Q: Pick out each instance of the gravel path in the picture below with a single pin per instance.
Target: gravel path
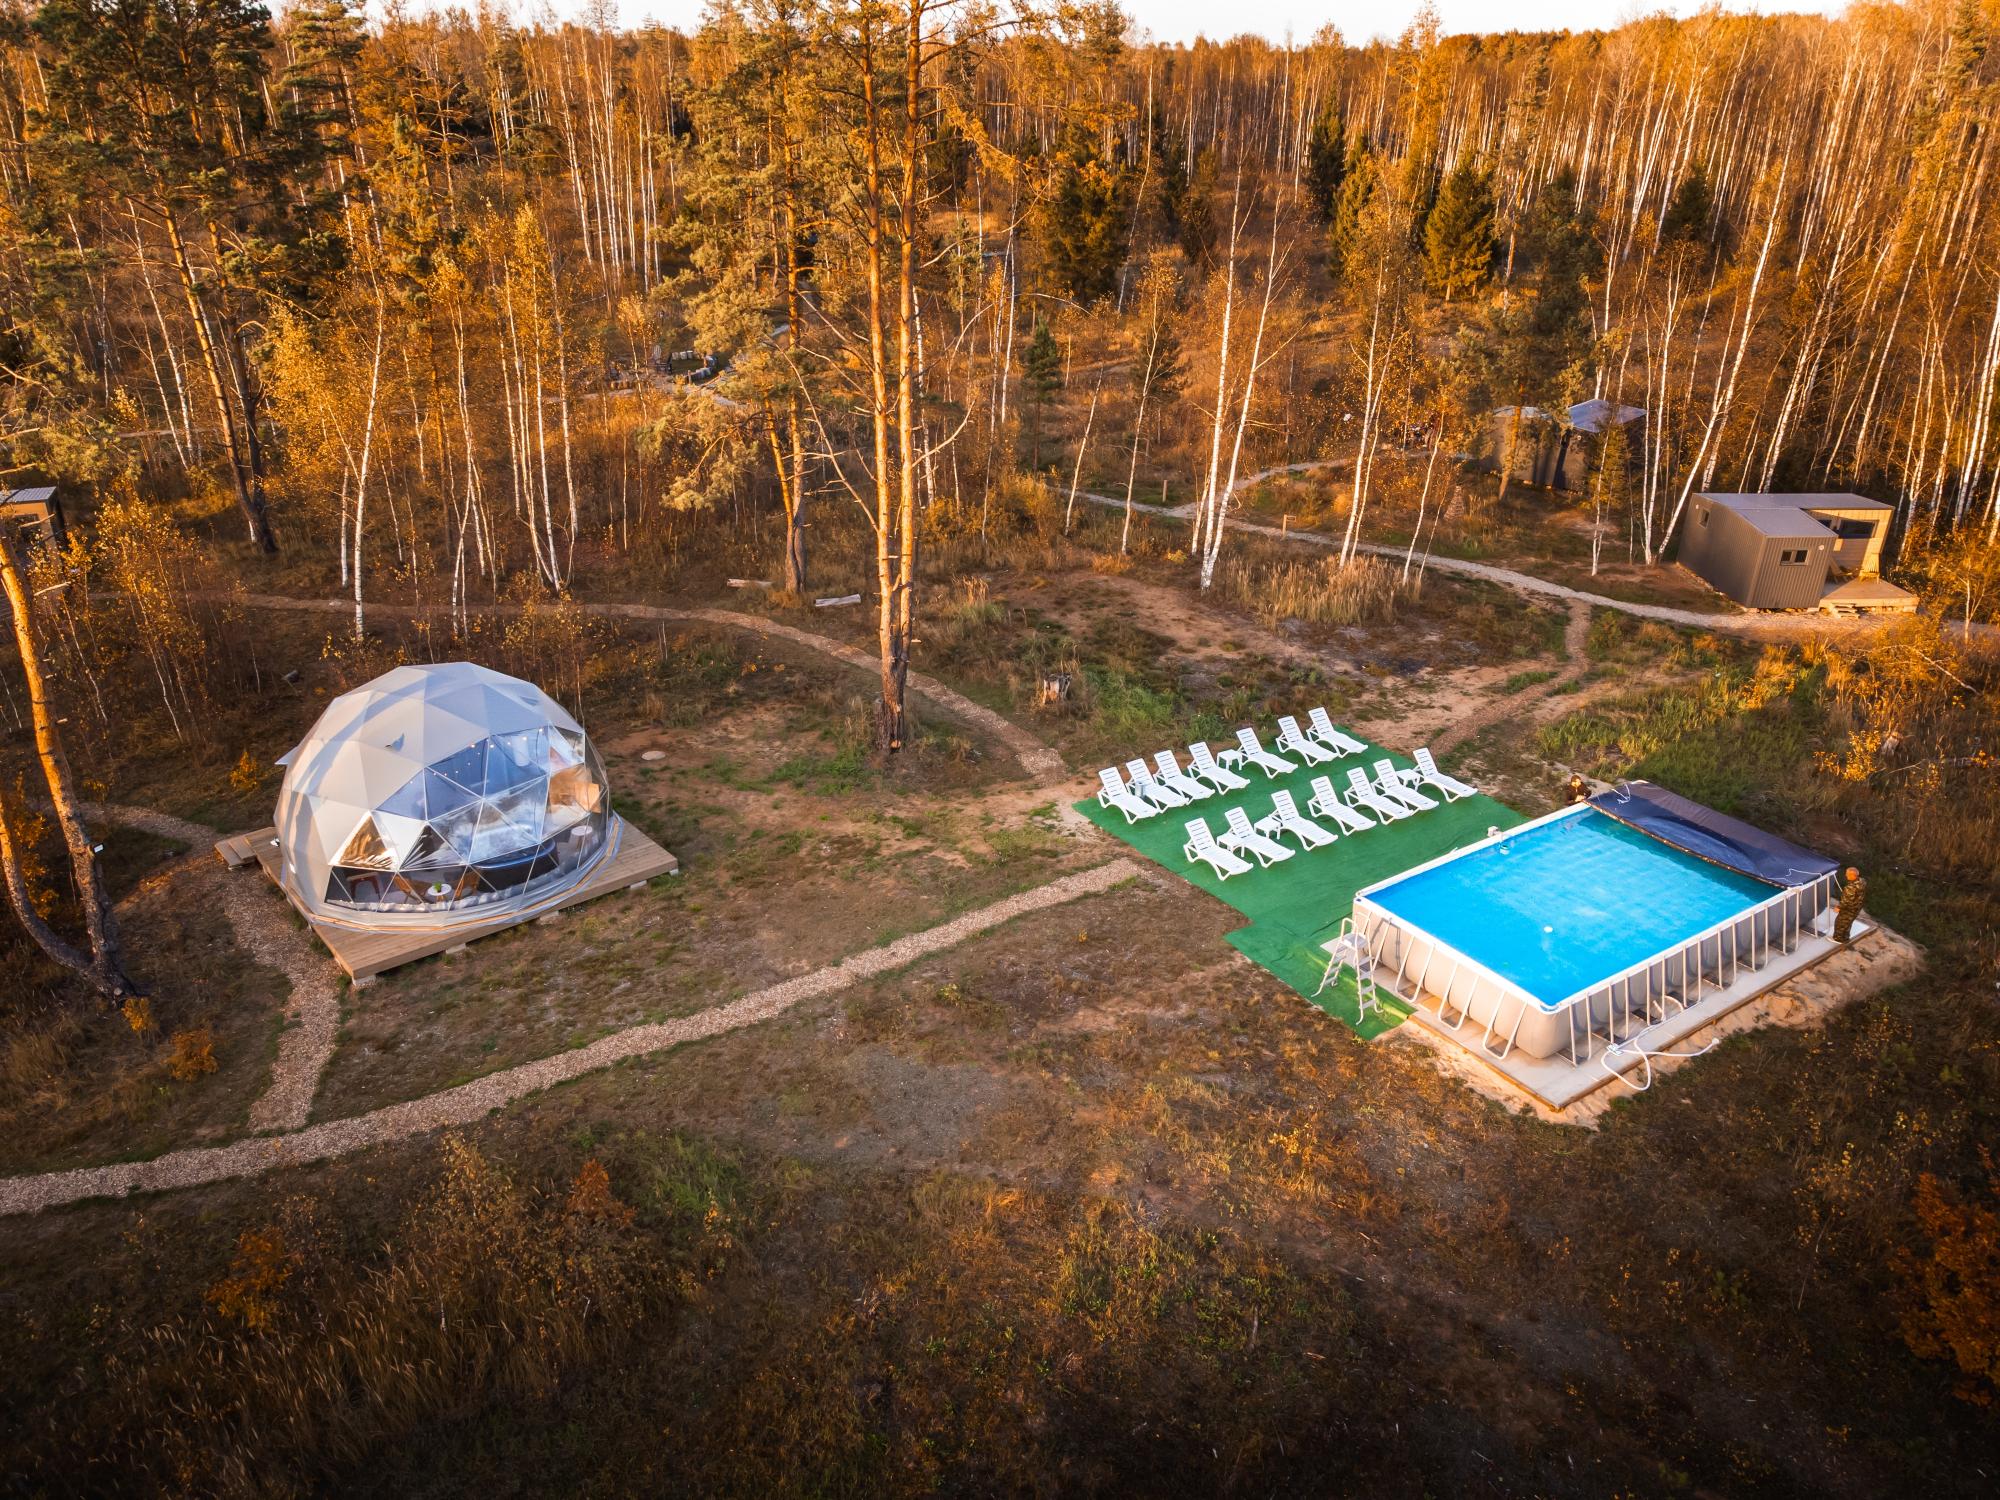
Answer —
(472, 1101)
(265, 931)
(1750, 622)
(313, 1008)
(163, 825)
(1042, 762)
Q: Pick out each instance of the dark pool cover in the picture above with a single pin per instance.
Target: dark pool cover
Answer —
(1714, 836)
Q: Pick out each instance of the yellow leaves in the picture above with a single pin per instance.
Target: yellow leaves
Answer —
(248, 1294)
(590, 1196)
(193, 1054)
(246, 775)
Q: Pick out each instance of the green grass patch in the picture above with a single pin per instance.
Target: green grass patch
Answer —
(1298, 904)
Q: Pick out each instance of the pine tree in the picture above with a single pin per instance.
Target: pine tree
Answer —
(1461, 251)
(1041, 369)
(1362, 176)
(1326, 164)
(1086, 222)
(162, 105)
(1192, 216)
(1693, 208)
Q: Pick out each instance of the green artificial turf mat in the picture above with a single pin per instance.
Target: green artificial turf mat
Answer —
(1298, 904)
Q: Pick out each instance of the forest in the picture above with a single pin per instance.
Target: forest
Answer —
(1104, 388)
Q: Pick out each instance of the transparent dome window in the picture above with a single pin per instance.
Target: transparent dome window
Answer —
(487, 823)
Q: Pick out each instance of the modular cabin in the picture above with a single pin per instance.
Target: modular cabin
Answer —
(1555, 450)
(1786, 551)
(39, 508)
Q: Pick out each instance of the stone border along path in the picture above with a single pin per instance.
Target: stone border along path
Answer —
(1750, 622)
(1042, 762)
(470, 1102)
(312, 1009)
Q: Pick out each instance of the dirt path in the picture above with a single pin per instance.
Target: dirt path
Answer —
(472, 1101)
(1751, 623)
(1576, 640)
(1042, 762)
(312, 1011)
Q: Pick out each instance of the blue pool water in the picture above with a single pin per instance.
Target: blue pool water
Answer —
(1561, 906)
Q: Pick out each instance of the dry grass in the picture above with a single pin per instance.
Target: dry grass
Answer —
(1318, 591)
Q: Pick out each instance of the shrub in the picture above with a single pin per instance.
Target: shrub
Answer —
(193, 1054)
(1952, 1290)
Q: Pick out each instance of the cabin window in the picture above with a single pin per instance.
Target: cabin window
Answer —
(1792, 555)
(1701, 516)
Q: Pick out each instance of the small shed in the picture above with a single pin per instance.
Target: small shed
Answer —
(1791, 551)
(1557, 450)
(38, 507)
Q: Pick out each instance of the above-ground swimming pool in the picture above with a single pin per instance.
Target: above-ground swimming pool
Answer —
(1573, 910)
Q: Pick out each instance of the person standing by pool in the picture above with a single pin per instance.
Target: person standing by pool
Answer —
(1577, 791)
(1853, 891)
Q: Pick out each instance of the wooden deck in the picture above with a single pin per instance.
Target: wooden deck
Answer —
(364, 954)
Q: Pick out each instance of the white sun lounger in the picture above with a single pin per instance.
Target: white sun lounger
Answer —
(1299, 743)
(1248, 749)
(1326, 803)
(1201, 763)
(1140, 779)
(1112, 792)
(1362, 794)
(1331, 735)
(1241, 838)
(1428, 774)
(1390, 783)
(1284, 817)
(1171, 774)
(1201, 845)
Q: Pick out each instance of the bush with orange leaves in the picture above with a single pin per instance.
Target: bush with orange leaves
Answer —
(1952, 1307)
(193, 1054)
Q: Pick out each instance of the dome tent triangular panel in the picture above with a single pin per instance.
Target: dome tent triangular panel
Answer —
(425, 796)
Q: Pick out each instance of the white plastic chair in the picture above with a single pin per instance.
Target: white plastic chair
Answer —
(1326, 803)
(1203, 764)
(1331, 735)
(1201, 845)
(1140, 778)
(1171, 774)
(1390, 783)
(1248, 749)
(1241, 838)
(1111, 792)
(1362, 794)
(1296, 740)
(1284, 817)
(1429, 774)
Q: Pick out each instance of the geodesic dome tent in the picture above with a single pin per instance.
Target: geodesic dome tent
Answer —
(436, 794)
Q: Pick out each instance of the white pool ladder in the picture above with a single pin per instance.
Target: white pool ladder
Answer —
(1350, 948)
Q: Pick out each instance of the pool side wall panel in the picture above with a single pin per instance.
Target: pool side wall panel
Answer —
(1428, 966)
